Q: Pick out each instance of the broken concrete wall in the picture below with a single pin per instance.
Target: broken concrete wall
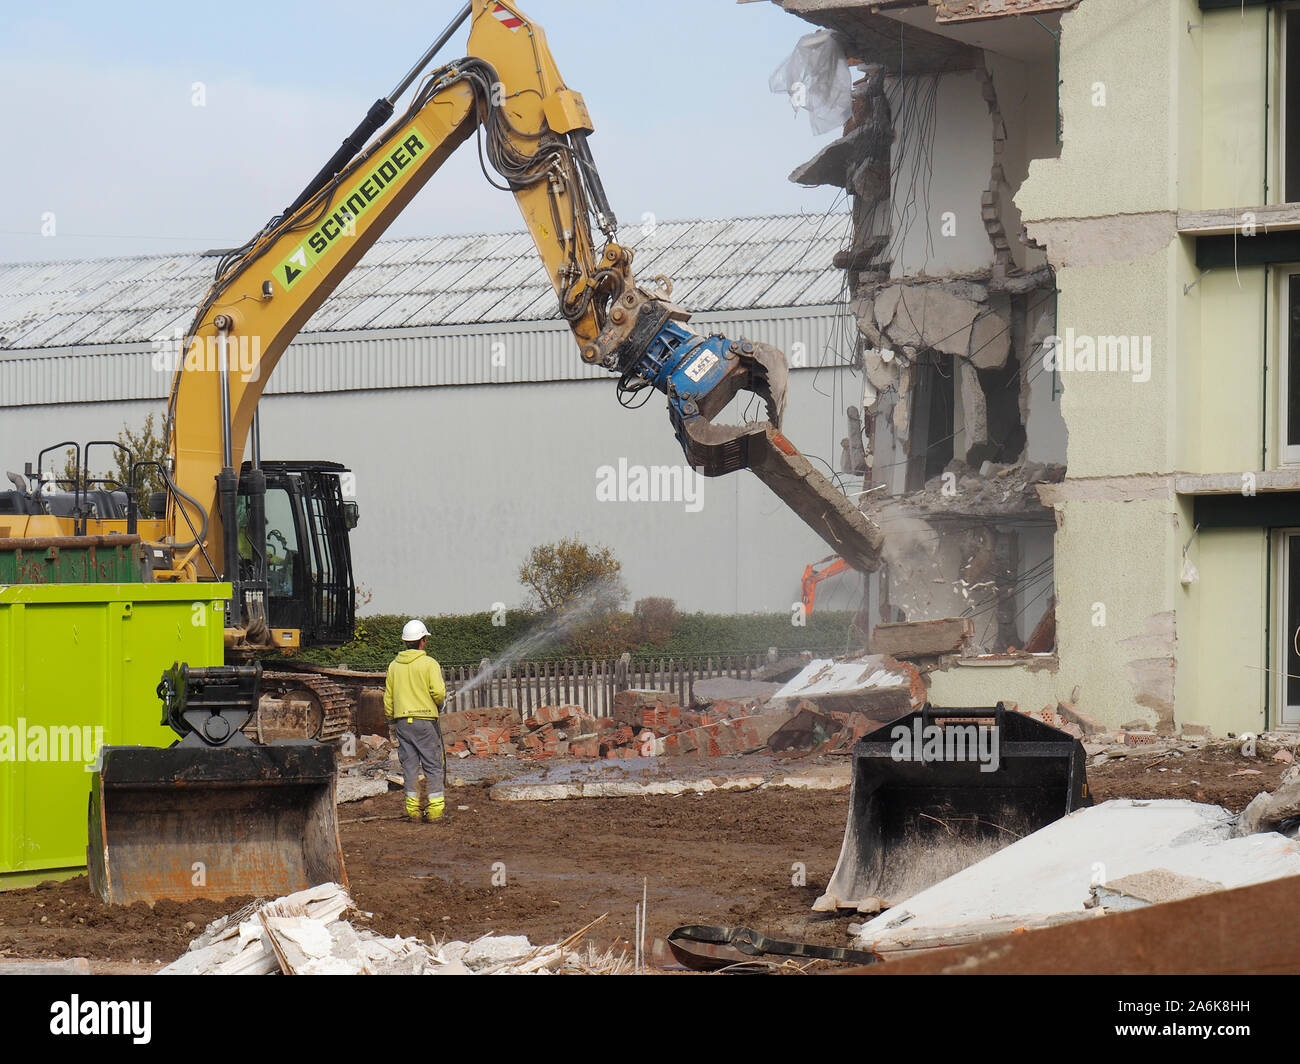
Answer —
(942, 167)
(983, 549)
(1155, 117)
(1024, 120)
(953, 305)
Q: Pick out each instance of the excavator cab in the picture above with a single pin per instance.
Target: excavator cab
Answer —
(295, 574)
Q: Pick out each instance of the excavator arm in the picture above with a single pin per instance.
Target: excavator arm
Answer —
(532, 141)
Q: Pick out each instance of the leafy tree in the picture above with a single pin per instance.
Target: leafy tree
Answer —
(561, 574)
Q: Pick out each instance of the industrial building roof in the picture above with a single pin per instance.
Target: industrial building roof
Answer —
(725, 264)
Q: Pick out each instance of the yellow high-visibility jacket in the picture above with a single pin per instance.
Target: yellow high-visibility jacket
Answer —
(414, 687)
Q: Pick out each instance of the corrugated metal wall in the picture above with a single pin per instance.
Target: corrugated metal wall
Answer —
(398, 358)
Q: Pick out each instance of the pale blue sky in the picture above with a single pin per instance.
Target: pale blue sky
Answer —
(98, 125)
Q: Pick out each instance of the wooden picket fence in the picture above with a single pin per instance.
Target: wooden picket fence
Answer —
(591, 683)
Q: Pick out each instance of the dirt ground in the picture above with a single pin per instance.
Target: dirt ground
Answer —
(722, 858)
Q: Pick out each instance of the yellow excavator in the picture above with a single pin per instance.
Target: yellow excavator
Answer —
(277, 531)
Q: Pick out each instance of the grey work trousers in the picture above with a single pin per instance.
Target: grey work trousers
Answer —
(419, 745)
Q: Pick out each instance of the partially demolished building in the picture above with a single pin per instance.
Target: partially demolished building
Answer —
(1073, 274)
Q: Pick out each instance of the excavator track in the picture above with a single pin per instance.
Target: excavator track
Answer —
(300, 705)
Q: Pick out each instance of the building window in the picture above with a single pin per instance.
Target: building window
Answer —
(1289, 406)
(1287, 643)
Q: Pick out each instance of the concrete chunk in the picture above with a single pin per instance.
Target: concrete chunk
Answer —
(817, 501)
(990, 341)
(1153, 887)
(72, 966)
(876, 686)
(1048, 875)
(1269, 812)
(912, 639)
(711, 690)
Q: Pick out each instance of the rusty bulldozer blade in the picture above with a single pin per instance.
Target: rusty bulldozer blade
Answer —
(194, 822)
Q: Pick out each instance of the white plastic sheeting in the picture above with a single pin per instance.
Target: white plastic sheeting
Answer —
(816, 78)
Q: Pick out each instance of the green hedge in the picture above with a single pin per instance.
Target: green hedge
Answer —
(465, 639)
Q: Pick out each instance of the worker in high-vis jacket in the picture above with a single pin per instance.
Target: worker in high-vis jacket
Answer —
(413, 694)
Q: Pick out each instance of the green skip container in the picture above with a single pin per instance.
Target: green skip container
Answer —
(70, 560)
(79, 669)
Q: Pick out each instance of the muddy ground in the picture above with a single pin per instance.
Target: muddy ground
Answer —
(722, 858)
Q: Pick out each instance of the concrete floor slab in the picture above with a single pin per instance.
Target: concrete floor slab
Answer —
(1047, 876)
(630, 777)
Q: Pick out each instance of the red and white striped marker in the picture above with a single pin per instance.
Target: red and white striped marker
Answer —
(507, 19)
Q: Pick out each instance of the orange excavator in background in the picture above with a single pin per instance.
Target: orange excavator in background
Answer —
(815, 573)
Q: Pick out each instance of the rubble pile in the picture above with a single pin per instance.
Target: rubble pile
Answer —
(305, 933)
(992, 489)
(824, 707)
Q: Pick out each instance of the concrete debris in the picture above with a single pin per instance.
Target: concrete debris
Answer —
(834, 164)
(486, 952)
(728, 688)
(922, 639)
(237, 944)
(962, 319)
(1072, 714)
(71, 966)
(355, 788)
(1279, 811)
(1006, 490)
(783, 670)
(1046, 877)
(925, 317)
(990, 337)
(817, 501)
(806, 731)
(1210, 934)
(640, 777)
(304, 934)
(1153, 887)
(878, 687)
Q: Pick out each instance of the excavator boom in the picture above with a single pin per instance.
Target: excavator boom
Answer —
(532, 132)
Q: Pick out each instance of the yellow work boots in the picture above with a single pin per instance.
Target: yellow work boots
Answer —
(436, 808)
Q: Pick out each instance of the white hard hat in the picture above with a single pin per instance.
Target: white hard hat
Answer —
(414, 631)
